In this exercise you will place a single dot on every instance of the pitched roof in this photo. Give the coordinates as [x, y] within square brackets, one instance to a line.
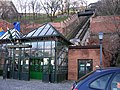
[15, 34]
[44, 31]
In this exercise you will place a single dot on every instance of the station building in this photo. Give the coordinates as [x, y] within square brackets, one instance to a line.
[41, 54]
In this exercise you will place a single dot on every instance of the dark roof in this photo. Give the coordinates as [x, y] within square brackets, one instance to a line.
[85, 47]
[86, 13]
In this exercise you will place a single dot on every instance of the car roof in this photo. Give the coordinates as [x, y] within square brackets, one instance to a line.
[101, 71]
[108, 69]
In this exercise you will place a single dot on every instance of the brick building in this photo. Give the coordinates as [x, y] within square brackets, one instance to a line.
[82, 59]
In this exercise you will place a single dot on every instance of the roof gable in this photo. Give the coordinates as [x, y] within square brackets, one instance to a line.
[15, 34]
[43, 31]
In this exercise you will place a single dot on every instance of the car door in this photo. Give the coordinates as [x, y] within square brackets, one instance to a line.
[100, 83]
[115, 82]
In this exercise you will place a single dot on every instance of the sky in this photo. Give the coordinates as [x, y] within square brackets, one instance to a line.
[15, 2]
[91, 1]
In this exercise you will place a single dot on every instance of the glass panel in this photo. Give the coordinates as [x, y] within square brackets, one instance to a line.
[34, 52]
[38, 31]
[53, 52]
[30, 34]
[16, 64]
[52, 62]
[45, 30]
[40, 53]
[47, 53]
[25, 65]
[48, 45]
[45, 61]
[53, 44]
[54, 33]
[37, 65]
[8, 44]
[46, 65]
[27, 43]
[59, 60]
[101, 82]
[27, 52]
[40, 45]
[50, 31]
[34, 45]
[32, 65]
[115, 85]
[34, 49]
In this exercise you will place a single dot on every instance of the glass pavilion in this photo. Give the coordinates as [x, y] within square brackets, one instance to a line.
[41, 54]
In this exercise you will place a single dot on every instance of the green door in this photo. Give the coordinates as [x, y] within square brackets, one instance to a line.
[36, 68]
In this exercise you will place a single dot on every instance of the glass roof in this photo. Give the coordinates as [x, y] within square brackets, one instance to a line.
[15, 34]
[44, 30]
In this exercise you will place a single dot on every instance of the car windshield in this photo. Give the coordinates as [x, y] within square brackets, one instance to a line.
[85, 76]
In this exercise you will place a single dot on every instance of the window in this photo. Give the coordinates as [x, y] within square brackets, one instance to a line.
[40, 45]
[48, 45]
[115, 85]
[34, 45]
[101, 82]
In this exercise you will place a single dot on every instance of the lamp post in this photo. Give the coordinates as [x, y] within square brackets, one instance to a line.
[101, 38]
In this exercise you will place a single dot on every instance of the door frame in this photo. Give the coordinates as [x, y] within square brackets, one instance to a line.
[35, 72]
[85, 61]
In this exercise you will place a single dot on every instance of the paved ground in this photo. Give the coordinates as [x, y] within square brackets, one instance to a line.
[11, 84]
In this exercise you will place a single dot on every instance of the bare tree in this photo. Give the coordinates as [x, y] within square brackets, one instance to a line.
[51, 7]
[111, 8]
[25, 5]
[4, 10]
[74, 5]
[83, 4]
[114, 38]
[20, 5]
[61, 7]
[67, 6]
[33, 7]
[108, 7]
[7, 9]
[38, 7]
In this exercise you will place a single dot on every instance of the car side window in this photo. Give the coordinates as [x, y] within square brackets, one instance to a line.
[101, 82]
[115, 85]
